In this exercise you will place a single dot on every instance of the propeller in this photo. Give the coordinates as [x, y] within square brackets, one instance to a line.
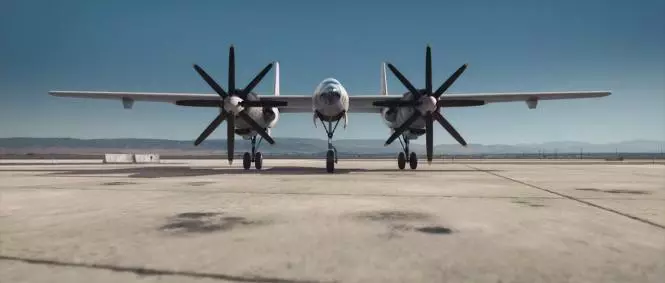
[234, 103]
[426, 104]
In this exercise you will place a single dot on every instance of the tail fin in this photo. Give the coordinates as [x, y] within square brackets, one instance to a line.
[276, 89]
[384, 82]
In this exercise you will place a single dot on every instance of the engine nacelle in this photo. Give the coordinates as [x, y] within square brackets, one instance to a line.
[270, 116]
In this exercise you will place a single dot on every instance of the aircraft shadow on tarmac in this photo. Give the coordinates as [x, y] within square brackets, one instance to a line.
[161, 172]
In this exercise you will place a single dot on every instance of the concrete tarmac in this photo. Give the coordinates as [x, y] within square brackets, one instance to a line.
[205, 221]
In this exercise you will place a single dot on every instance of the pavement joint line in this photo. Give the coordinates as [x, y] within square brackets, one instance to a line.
[142, 271]
[208, 191]
[654, 224]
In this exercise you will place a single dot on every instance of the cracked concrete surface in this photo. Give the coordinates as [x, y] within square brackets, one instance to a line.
[201, 220]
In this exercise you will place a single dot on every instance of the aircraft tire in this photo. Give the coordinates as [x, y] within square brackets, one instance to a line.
[258, 160]
[401, 160]
[246, 160]
[413, 161]
[330, 161]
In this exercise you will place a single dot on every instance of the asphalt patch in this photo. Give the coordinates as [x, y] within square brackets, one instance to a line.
[198, 184]
[118, 183]
[393, 216]
[198, 214]
[530, 204]
[207, 222]
[434, 230]
[615, 191]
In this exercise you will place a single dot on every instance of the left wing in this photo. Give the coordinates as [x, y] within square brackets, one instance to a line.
[296, 103]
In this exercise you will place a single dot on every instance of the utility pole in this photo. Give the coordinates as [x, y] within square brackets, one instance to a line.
[581, 153]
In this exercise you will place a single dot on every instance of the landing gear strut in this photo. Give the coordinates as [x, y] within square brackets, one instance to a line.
[255, 156]
[331, 154]
[405, 156]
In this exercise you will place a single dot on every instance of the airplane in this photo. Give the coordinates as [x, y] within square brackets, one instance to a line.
[408, 116]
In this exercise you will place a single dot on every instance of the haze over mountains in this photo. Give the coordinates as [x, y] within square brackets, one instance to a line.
[305, 146]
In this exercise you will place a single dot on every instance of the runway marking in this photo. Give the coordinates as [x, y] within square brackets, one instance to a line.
[573, 198]
[142, 271]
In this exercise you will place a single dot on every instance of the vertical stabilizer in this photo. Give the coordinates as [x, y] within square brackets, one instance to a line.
[276, 90]
[384, 82]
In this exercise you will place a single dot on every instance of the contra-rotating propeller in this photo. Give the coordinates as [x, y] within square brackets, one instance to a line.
[234, 102]
[426, 104]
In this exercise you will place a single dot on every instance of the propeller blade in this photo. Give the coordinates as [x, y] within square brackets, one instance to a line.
[210, 81]
[200, 103]
[263, 103]
[396, 103]
[256, 127]
[230, 137]
[449, 81]
[404, 81]
[459, 103]
[213, 125]
[429, 141]
[428, 71]
[232, 71]
[402, 128]
[449, 127]
[255, 81]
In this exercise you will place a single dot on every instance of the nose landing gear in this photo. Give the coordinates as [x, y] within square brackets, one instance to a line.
[331, 154]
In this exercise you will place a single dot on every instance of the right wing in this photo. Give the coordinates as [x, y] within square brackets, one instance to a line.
[364, 103]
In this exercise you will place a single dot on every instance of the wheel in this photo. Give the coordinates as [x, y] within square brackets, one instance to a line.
[246, 160]
[258, 160]
[330, 161]
[401, 160]
[413, 160]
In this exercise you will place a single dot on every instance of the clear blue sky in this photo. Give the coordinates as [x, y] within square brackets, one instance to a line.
[509, 45]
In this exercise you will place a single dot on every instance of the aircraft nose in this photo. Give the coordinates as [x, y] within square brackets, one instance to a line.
[331, 96]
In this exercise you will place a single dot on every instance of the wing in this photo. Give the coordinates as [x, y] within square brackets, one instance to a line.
[295, 104]
[365, 103]
[357, 104]
[524, 96]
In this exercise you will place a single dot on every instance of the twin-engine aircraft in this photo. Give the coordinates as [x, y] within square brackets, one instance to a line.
[409, 115]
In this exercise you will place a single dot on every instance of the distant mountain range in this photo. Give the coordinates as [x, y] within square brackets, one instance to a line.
[303, 146]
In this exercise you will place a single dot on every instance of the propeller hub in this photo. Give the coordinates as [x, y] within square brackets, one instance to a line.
[428, 104]
[232, 104]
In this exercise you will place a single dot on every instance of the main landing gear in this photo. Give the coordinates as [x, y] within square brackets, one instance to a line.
[331, 154]
[402, 156]
[255, 156]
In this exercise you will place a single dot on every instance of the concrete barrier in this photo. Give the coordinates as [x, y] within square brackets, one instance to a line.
[118, 158]
[146, 158]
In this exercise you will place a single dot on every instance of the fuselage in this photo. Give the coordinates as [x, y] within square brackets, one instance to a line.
[330, 101]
